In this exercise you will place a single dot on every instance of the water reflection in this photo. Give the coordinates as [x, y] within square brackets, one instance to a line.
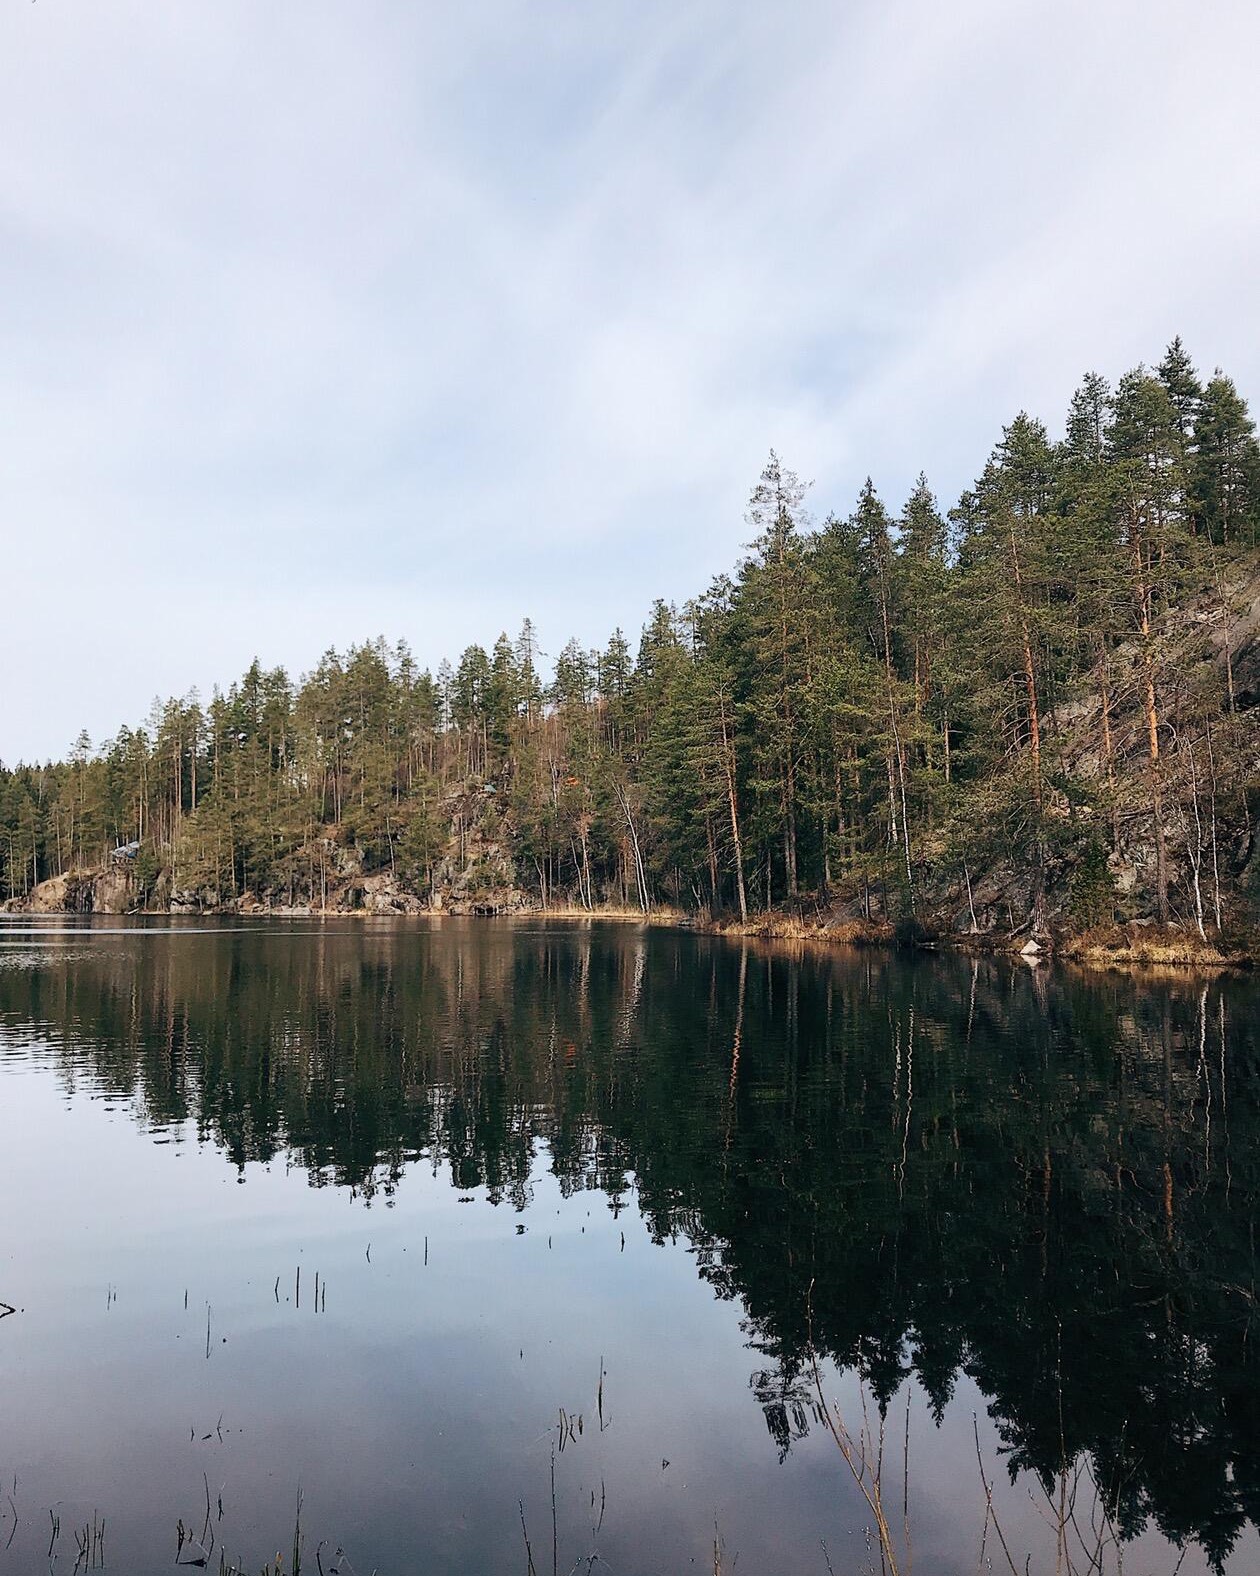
[1040, 1183]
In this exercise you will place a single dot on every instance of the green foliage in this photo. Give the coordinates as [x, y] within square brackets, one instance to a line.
[1092, 892]
[146, 871]
[863, 711]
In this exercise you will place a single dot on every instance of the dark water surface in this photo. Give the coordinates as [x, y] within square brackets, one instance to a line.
[522, 1156]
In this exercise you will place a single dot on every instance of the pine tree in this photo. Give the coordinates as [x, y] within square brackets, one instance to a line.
[1181, 384]
[871, 529]
[775, 591]
[1225, 479]
[1148, 457]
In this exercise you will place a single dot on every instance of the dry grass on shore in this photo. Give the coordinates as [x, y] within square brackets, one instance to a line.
[1126, 946]
[799, 927]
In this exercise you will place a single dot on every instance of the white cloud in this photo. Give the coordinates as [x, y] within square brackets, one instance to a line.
[321, 321]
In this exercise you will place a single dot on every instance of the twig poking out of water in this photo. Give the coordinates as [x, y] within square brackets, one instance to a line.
[864, 1457]
[6, 1308]
[599, 1397]
[529, 1553]
[990, 1512]
[90, 1544]
[56, 1532]
[341, 1565]
[555, 1540]
[207, 1530]
[1060, 1513]
[569, 1427]
[207, 1330]
[905, 1487]
[296, 1566]
[198, 1554]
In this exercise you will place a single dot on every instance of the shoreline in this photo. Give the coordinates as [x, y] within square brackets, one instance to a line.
[1120, 947]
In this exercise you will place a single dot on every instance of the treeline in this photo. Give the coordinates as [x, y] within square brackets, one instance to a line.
[1038, 702]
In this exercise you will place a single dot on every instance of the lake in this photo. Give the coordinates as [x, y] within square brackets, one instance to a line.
[461, 1246]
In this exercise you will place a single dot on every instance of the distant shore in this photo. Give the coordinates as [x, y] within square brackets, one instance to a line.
[1138, 944]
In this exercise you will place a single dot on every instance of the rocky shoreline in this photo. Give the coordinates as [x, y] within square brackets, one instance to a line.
[1137, 944]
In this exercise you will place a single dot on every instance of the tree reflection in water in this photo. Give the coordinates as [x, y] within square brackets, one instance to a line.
[922, 1167]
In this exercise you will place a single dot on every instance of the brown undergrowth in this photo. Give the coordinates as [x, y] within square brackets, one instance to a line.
[1126, 946]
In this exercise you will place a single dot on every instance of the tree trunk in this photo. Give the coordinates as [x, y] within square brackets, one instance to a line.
[645, 901]
[896, 736]
[1030, 675]
[728, 770]
[1109, 749]
[1150, 710]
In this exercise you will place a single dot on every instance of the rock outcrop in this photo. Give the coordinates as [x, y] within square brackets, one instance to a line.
[105, 890]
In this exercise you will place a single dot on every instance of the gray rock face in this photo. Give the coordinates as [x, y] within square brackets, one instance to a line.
[109, 889]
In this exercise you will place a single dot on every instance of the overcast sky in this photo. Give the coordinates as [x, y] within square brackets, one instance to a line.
[321, 321]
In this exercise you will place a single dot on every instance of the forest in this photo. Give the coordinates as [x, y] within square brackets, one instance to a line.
[1035, 708]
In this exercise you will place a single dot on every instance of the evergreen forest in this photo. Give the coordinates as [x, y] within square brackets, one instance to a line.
[1034, 708]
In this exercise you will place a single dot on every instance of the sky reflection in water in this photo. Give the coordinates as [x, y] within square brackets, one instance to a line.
[517, 1156]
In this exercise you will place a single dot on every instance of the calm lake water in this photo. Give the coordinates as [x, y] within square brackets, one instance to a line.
[603, 1208]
